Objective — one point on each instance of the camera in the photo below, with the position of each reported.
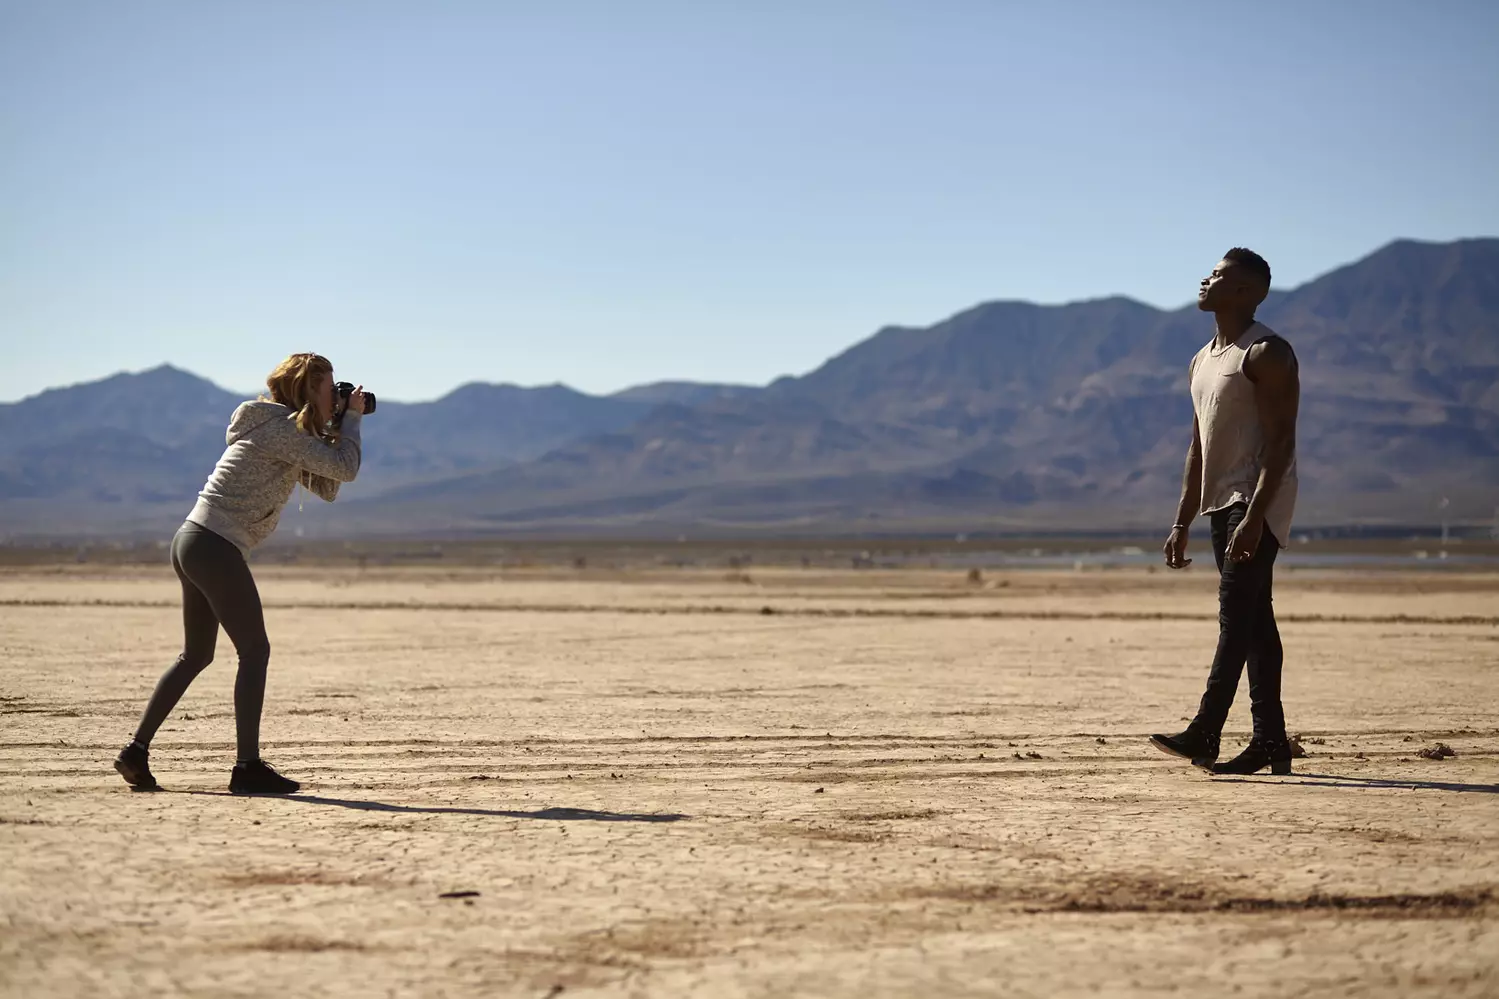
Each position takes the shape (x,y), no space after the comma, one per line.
(346,389)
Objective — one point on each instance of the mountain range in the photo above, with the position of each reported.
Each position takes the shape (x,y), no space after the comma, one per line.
(1006,415)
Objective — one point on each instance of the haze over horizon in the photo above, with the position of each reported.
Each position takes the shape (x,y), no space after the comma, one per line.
(604,198)
(255,388)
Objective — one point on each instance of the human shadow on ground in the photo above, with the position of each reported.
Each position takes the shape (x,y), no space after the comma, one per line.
(1341,780)
(545,814)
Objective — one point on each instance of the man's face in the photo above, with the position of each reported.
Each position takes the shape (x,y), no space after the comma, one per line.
(1228,288)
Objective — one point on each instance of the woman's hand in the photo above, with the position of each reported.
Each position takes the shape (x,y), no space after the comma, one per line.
(356,401)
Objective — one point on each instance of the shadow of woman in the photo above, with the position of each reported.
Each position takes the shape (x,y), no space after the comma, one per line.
(544,814)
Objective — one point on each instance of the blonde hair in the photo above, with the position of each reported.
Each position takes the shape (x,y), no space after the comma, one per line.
(292,384)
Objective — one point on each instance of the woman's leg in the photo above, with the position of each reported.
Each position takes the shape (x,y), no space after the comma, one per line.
(200,632)
(218,570)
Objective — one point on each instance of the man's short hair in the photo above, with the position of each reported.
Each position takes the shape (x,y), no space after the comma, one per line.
(1250,261)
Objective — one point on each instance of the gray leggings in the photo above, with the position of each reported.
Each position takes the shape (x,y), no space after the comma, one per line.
(217,588)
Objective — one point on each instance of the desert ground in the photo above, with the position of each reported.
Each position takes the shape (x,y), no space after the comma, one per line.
(749,781)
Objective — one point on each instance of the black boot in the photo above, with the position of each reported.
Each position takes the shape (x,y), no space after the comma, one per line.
(1194,744)
(259,778)
(1259,754)
(134,765)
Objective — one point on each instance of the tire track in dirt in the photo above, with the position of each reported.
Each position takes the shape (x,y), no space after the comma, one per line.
(1133,893)
(882,740)
(914,913)
(822,760)
(768,610)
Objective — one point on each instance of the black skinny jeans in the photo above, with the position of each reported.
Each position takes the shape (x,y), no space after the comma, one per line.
(1246,633)
(217,588)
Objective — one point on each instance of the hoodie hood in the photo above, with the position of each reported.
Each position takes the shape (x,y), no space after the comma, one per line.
(256,413)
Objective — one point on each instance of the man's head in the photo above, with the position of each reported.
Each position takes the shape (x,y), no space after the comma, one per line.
(1238,284)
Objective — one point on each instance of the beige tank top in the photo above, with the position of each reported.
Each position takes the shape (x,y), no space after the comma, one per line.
(1233,444)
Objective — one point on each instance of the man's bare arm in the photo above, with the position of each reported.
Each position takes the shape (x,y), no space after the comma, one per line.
(1271,366)
(1186,510)
(1191,498)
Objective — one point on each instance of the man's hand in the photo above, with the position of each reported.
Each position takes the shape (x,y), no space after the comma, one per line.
(1246,539)
(1176,549)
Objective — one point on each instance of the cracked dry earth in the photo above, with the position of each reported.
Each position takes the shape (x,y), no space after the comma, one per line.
(831,784)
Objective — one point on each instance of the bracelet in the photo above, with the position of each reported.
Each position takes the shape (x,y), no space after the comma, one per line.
(1178,527)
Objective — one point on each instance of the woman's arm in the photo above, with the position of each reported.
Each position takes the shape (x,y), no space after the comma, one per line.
(320,486)
(339,462)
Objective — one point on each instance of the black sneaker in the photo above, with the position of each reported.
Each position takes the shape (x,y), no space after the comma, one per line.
(1195,745)
(1259,754)
(134,765)
(259,778)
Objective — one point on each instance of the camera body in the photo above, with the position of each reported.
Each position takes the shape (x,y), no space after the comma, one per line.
(346,389)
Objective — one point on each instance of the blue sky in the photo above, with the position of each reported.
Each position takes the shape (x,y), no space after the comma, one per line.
(605,193)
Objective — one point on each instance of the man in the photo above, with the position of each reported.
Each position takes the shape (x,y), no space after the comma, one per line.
(1241,472)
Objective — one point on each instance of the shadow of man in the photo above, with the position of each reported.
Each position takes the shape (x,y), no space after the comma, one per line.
(1388,783)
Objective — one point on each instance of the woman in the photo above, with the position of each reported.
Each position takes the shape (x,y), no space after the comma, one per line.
(296,435)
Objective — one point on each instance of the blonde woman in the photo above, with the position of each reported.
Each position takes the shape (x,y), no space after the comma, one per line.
(298,433)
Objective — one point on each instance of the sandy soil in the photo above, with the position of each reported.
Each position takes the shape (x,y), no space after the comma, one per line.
(749,784)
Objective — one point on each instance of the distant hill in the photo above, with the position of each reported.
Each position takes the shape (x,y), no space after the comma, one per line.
(126,440)
(1005,413)
(685,393)
(481,426)
(1033,414)
(148,437)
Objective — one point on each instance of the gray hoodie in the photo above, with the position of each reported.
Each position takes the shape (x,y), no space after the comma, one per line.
(266,457)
